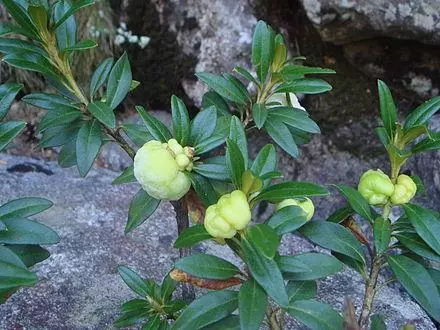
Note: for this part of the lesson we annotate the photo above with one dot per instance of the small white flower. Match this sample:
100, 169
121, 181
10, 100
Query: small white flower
119, 40
127, 34
120, 31
133, 39
144, 41
123, 25
101, 13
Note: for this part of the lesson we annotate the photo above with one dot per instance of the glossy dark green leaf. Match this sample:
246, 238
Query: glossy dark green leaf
207, 309
245, 74
414, 243
24, 231
167, 288
235, 163
204, 189
119, 82
214, 99
223, 87
65, 33
127, 176
382, 234
232, 322
88, 143
427, 144
54, 119
252, 305
265, 271
263, 46
426, 223
301, 290
191, 236
20, 15
309, 266
356, 201
9, 130
382, 134
155, 127
24, 207
142, 206
60, 135
72, 10
29, 254
266, 161
294, 70
423, 113
31, 61
134, 281
238, 84
7, 95
51, 102
305, 86
315, 315
259, 114
287, 219
213, 168
333, 237
12, 276
181, 122
9, 257
202, 126
238, 135
377, 323
341, 214
435, 275
388, 112
357, 265
295, 118
290, 189
279, 132
417, 282
82, 45
265, 239
103, 113
207, 266
131, 318
137, 133
134, 305
100, 75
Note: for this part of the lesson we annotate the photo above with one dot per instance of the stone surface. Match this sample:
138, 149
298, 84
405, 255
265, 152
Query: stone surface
343, 21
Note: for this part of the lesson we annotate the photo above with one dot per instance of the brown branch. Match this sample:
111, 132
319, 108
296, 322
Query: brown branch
181, 276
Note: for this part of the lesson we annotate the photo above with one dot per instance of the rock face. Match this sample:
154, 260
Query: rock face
343, 21
79, 286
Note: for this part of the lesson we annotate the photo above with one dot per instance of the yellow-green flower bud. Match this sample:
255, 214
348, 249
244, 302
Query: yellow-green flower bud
376, 187
306, 205
158, 172
175, 147
231, 213
281, 100
404, 190
182, 161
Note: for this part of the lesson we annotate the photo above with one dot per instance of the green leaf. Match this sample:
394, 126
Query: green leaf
8, 256
301, 290
388, 112
309, 266
155, 323
181, 122
131, 318
356, 201
119, 82
290, 189
265, 162
54, 119
137, 133
214, 99
29, 254
333, 237
294, 70
417, 282
245, 74
423, 113
127, 176
223, 87
382, 234
142, 206
134, 281
202, 126
287, 219
207, 266
9, 130
435, 275
265, 271
24, 207
31, 61
207, 309
428, 144
12, 276
232, 322
65, 33
238, 135
426, 224
252, 305
263, 45
82, 45
88, 143
203, 188
305, 86
191, 236
265, 239
213, 168
103, 113
259, 114
279, 132
295, 118
51, 102
235, 162
134, 305
414, 243
238, 84
22, 18
155, 127
72, 10
382, 134
24, 231
59, 135
341, 214
377, 323
7, 95
315, 315
167, 288
100, 75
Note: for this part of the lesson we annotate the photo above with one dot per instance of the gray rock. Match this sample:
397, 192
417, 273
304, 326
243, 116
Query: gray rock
343, 21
